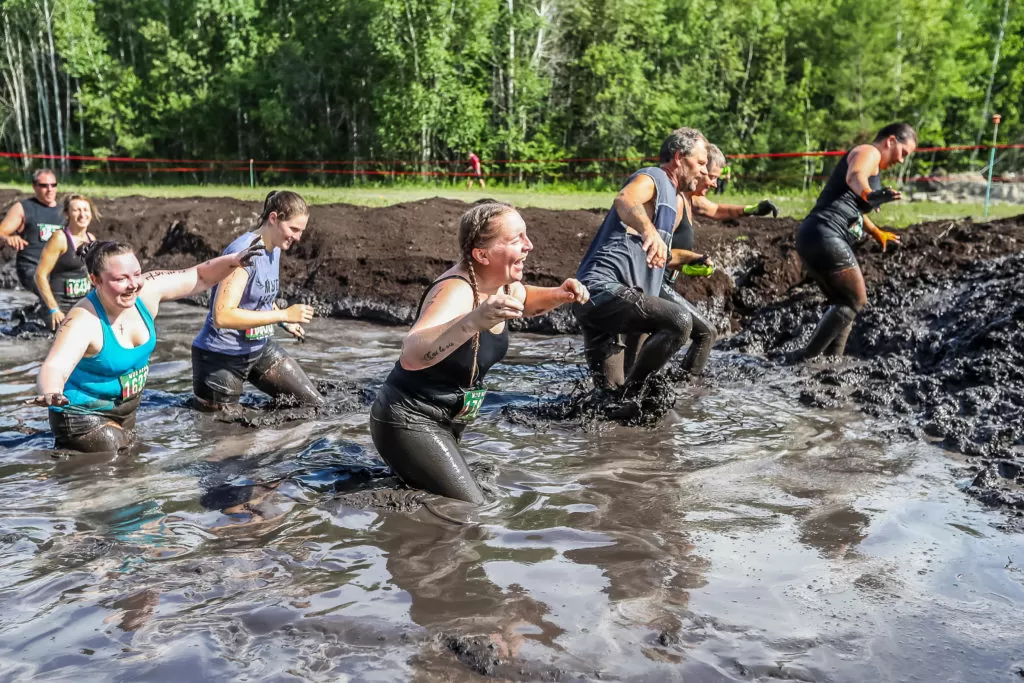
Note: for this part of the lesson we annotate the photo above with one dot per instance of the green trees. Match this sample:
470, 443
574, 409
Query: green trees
429, 80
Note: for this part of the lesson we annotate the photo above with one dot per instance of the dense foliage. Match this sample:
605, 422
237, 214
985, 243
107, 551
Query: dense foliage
510, 79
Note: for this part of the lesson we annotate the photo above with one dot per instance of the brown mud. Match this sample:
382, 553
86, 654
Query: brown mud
939, 347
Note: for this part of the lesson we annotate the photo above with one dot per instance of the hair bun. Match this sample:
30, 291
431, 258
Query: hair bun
85, 248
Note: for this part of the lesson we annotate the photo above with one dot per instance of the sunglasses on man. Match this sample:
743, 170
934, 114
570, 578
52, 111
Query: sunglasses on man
46, 184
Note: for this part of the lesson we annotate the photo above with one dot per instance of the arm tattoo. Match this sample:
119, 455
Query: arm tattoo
431, 355
154, 274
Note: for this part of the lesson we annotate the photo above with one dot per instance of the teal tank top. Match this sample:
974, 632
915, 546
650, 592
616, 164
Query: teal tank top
116, 374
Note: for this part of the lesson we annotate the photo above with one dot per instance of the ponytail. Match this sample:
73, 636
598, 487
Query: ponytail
285, 203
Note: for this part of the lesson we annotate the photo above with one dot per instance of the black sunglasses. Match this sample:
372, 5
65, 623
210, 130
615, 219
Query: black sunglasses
46, 184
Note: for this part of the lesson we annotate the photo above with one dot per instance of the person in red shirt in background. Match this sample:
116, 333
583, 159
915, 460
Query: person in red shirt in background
474, 164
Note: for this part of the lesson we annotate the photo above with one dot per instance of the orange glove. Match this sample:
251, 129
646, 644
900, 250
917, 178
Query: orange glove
884, 237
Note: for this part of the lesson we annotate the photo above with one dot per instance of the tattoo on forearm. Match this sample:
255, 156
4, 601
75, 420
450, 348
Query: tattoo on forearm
431, 355
154, 274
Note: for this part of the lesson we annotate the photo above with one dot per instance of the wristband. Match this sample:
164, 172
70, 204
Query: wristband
54, 310
283, 326
749, 209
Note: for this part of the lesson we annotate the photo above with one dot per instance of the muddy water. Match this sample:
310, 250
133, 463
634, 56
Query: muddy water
748, 537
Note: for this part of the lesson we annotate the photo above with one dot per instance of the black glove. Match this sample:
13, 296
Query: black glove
251, 252
762, 208
879, 197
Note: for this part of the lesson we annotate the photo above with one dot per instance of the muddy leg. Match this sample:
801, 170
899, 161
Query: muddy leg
846, 292
633, 344
670, 325
89, 433
277, 374
425, 457
605, 358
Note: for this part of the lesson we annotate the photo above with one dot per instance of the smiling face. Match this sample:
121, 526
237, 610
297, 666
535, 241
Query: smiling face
119, 281
79, 215
45, 188
285, 233
895, 152
505, 256
708, 182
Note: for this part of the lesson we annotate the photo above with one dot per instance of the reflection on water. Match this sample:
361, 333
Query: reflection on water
746, 537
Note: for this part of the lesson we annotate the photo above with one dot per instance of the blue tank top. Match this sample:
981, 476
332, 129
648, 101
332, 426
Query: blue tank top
116, 373
618, 256
259, 295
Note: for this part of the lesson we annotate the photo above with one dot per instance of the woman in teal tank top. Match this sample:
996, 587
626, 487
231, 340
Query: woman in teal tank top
93, 377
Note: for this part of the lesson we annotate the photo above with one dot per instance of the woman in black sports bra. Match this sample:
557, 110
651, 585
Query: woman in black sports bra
436, 387
826, 238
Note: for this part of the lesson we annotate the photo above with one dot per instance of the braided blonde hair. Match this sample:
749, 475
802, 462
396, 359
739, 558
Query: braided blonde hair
478, 228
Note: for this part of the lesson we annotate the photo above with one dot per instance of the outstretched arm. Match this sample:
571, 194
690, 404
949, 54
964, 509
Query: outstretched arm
702, 206
540, 300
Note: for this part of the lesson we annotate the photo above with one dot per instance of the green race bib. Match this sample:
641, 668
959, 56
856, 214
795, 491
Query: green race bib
471, 403
46, 231
261, 332
77, 288
133, 382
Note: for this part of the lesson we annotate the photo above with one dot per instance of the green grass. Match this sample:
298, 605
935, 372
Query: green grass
899, 214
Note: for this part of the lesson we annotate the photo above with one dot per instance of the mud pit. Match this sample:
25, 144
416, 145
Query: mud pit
939, 346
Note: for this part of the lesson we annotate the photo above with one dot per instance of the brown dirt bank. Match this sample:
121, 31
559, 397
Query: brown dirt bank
374, 263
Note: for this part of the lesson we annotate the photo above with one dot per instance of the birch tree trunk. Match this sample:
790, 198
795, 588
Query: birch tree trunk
48, 21
12, 75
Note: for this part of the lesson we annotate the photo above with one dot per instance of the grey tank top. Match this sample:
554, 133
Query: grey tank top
617, 256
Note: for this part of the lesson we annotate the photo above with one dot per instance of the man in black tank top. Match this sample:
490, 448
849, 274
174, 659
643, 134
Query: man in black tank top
826, 238
30, 223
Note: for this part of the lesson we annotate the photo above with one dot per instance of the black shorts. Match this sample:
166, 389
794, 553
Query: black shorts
822, 249
94, 431
615, 310
220, 377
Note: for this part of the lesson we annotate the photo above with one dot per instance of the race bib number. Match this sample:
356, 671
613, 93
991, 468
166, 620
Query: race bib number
471, 403
857, 227
261, 332
46, 231
132, 383
77, 288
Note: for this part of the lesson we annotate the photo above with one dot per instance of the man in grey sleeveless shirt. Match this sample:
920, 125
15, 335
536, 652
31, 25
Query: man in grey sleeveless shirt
30, 223
625, 265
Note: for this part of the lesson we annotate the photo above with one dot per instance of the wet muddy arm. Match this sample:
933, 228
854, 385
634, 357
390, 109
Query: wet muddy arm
446, 322
863, 163
680, 257
53, 250
631, 206
176, 284
70, 345
540, 300
228, 315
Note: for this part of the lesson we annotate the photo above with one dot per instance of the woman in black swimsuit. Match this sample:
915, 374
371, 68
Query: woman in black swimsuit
461, 330
838, 221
